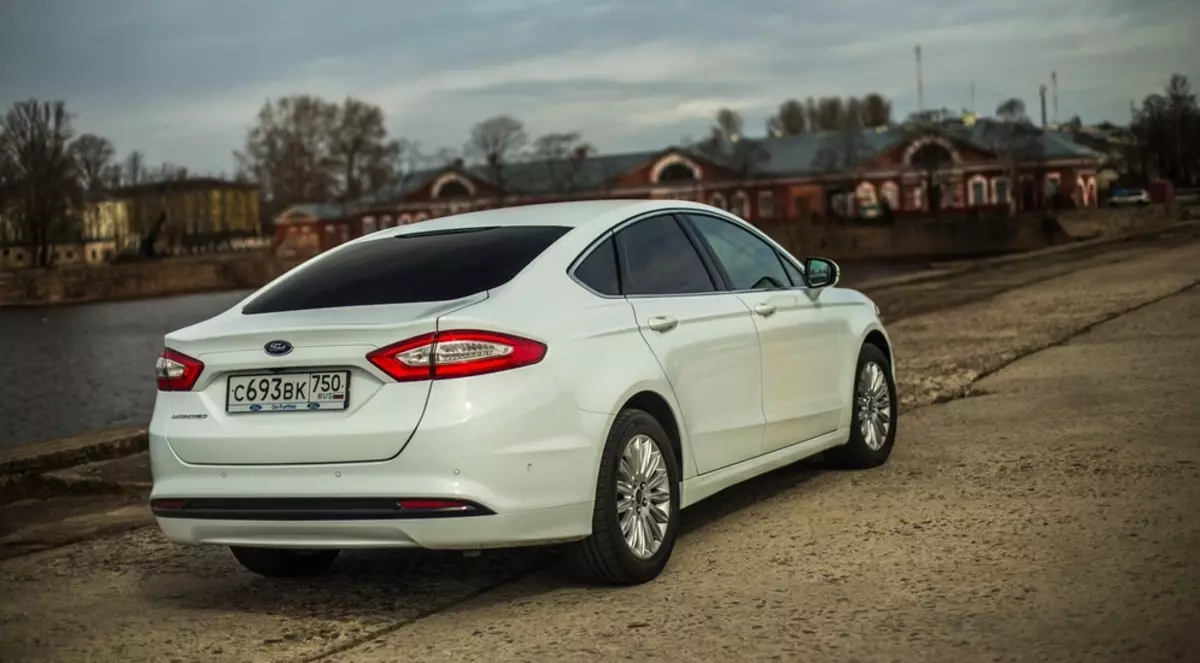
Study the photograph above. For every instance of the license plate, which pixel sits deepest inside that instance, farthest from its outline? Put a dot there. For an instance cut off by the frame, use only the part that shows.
(288, 392)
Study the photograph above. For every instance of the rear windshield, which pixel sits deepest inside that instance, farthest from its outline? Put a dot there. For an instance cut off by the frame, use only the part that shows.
(416, 267)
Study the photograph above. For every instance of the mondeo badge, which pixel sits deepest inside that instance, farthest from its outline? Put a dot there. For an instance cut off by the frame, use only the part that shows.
(277, 348)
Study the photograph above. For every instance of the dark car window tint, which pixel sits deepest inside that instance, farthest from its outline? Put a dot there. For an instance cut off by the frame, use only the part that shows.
(598, 270)
(750, 262)
(657, 258)
(793, 272)
(421, 267)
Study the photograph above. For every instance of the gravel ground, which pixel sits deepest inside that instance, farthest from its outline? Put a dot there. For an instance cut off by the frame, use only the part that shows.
(1052, 516)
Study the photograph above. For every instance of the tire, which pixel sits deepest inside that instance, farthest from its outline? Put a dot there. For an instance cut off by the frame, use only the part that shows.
(863, 451)
(279, 563)
(606, 557)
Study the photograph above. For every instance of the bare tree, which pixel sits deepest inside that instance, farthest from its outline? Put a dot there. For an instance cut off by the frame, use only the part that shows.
(415, 158)
(288, 150)
(166, 172)
(1012, 110)
(743, 157)
(789, 120)
(111, 176)
(497, 141)
(134, 168)
(9, 183)
(1019, 143)
(42, 190)
(827, 114)
(876, 111)
(361, 150)
(841, 155)
(1167, 129)
(730, 124)
(564, 155)
(93, 154)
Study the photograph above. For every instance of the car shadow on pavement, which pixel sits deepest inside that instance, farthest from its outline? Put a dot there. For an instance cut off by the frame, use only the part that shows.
(763, 487)
(375, 588)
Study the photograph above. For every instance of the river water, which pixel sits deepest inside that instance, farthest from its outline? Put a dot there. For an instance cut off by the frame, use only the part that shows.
(66, 370)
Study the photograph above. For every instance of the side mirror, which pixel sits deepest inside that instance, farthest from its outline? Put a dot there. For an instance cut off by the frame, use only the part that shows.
(820, 273)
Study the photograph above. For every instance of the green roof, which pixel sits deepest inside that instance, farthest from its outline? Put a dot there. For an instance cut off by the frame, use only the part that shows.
(790, 156)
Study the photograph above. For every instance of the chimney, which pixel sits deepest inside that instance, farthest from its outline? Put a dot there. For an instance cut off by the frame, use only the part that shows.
(1042, 93)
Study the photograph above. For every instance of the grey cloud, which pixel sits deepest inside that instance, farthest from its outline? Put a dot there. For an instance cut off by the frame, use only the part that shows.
(181, 80)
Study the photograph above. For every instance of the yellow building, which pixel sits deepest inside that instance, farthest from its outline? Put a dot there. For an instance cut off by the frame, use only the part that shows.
(101, 222)
(199, 215)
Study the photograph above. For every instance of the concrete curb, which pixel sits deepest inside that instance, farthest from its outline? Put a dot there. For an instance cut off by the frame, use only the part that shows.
(1021, 257)
(71, 451)
(17, 487)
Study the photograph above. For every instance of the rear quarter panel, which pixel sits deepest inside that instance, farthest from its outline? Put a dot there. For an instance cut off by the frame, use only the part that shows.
(595, 351)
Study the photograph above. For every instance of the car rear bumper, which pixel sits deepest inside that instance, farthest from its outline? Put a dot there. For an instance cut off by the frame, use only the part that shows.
(500, 530)
(529, 463)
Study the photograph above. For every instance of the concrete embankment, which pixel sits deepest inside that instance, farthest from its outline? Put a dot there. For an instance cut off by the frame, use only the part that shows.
(157, 278)
(948, 237)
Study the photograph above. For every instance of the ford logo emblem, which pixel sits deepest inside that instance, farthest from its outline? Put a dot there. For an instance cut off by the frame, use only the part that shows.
(277, 348)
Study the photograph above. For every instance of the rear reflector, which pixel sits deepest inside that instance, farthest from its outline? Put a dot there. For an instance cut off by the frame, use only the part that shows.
(434, 505)
(176, 371)
(455, 354)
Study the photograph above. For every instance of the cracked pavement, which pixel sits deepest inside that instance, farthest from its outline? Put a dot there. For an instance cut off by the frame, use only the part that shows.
(1050, 515)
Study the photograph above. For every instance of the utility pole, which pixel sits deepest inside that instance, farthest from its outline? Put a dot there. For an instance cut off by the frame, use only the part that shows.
(1054, 87)
(972, 96)
(920, 83)
(1042, 94)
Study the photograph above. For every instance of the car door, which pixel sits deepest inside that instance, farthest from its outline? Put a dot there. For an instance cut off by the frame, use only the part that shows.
(802, 343)
(704, 339)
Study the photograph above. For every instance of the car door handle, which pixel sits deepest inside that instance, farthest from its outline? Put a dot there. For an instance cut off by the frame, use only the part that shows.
(662, 323)
(765, 310)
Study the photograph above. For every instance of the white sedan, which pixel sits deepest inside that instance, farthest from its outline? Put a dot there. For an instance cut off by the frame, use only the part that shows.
(573, 373)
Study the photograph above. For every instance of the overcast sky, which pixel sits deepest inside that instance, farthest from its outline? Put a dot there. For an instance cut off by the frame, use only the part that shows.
(182, 79)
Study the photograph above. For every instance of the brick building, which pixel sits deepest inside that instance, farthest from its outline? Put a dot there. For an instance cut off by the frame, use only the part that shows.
(886, 172)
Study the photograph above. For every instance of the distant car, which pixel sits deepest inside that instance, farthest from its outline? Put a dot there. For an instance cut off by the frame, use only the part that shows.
(1127, 197)
(572, 373)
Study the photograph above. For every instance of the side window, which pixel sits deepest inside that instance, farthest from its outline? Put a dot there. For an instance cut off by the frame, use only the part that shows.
(598, 270)
(657, 258)
(751, 263)
(792, 271)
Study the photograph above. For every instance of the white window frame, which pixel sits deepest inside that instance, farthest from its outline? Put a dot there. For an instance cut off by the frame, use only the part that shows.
(739, 205)
(890, 191)
(996, 182)
(972, 199)
(766, 204)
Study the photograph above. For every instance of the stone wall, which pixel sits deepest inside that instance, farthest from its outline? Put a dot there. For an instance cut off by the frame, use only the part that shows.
(954, 238)
(905, 239)
(172, 276)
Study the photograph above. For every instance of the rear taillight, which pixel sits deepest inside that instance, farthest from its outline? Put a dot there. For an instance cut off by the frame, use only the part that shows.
(455, 354)
(177, 371)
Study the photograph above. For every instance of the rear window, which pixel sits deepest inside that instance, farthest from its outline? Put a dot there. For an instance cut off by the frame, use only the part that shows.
(598, 271)
(419, 267)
